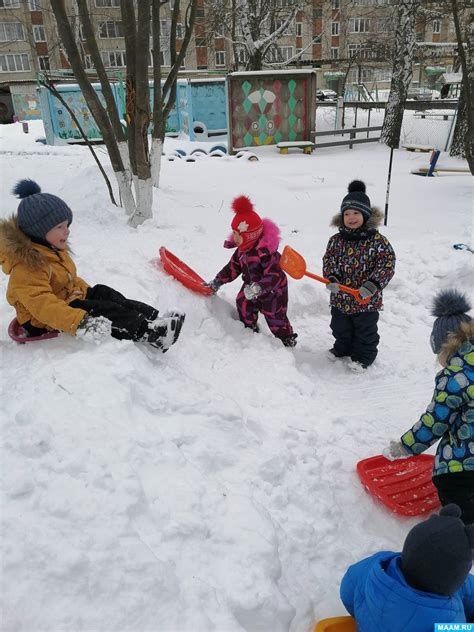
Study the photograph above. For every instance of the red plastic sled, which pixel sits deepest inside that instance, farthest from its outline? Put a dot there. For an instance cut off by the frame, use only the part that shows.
(182, 273)
(404, 486)
(18, 334)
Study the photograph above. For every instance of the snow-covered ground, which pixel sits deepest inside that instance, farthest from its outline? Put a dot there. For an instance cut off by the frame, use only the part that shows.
(212, 488)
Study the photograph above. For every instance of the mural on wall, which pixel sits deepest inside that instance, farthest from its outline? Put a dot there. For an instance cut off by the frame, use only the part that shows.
(26, 104)
(267, 108)
(66, 127)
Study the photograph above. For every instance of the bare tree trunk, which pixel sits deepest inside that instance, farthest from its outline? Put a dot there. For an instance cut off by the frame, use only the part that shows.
(165, 99)
(405, 43)
(464, 130)
(159, 122)
(97, 110)
(144, 193)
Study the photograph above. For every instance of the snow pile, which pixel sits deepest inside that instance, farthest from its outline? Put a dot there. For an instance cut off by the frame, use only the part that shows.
(213, 487)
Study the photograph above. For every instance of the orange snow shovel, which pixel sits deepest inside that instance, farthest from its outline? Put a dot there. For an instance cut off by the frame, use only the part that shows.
(293, 263)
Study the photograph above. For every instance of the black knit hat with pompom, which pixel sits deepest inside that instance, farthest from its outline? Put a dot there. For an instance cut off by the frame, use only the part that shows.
(357, 199)
(450, 308)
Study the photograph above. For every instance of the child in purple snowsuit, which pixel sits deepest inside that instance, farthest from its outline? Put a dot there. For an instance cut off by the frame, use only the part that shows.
(256, 258)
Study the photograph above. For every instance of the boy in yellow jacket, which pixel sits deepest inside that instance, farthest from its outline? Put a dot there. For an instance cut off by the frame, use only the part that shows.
(44, 287)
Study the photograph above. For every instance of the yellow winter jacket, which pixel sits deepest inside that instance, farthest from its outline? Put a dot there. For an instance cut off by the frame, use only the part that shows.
(42, 281)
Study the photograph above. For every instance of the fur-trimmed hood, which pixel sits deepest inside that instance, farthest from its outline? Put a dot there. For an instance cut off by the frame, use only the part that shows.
(269, 239)
(16, 247)
(372, 223)
(464, 333)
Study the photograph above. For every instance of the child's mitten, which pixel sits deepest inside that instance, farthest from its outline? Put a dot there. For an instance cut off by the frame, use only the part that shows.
(367, 289)
(214, 285)
(396, 450)
(94, 328)
(252, 291)
(333, 287)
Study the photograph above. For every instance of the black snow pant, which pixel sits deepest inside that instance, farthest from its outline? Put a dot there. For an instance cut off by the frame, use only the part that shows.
(355, 335)
(129, 318)
(457, 487)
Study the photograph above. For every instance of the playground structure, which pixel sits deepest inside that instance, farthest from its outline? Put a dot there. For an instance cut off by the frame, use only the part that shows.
(269, 107)
(200, 110)
(433, 169)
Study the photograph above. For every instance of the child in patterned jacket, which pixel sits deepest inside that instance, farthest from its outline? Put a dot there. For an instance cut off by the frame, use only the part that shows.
(449, 417)
(360, 257)
(256, 258)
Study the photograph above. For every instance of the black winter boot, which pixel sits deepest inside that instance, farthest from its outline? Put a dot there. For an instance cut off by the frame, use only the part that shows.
(290, 341)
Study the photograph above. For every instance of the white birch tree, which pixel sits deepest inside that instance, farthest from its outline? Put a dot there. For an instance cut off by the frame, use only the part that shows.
(403, 56)
(126, 139)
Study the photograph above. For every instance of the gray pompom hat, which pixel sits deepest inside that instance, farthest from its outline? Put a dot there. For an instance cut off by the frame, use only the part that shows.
(39, 212)
(450, 308)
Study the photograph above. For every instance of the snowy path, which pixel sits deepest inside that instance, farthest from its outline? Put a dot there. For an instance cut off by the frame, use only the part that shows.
(212, 488)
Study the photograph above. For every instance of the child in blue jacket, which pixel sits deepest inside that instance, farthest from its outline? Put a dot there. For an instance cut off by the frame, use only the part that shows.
(427, 583)
(449, 417)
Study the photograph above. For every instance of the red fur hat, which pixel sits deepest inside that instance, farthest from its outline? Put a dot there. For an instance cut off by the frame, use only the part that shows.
(246, 222)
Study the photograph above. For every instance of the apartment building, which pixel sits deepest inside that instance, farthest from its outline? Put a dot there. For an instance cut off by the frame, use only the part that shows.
(346, 40)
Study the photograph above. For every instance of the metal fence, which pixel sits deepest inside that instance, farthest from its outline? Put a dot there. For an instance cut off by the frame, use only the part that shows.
(425, 123)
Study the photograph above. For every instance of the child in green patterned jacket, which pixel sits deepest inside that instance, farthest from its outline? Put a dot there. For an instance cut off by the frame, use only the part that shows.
(449, 417)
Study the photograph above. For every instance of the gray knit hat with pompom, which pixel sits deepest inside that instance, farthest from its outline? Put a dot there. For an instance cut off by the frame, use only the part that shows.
(449, 307)
(39, 212)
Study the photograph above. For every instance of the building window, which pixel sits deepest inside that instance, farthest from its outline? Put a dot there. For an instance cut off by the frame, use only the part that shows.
(107, 4)
(436, 26)
(383, 74)
(44, 63)
(14, 63)
(335, 4)
(114, 58)
(9, 4)
(110, 29)
(179, 31)
(317, 13)
(242, 56)
(299, 29)
(362, 51)
(356, 76)
(220, 58)
(165, 27)
(199, 12)
(34, 5)
(39, 34)
(359, 25)
(220, 31)
(334, 28)
(280, 54)
(88, 62)
(11, 32)
(334, 52)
